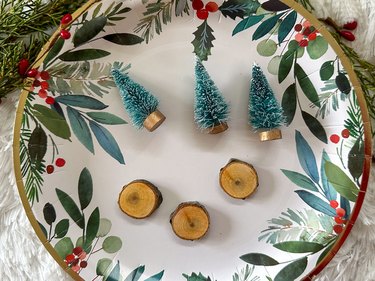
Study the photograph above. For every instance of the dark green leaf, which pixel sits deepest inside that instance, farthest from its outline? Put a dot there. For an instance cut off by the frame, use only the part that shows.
(299, 247)
(83, 55)
(343, 83)
(341, 182)
(345, 204)
(92, 227)
(289, 103)
(286, 26)
(97, 10)
(286, 64)
(71, 208)
(115, 274)
(52, 121)
(266, 26)
(64, 247)
(306, 157)
(292, 271)
(81, 101)
(123, 38)
(329, 192)
(106, 118)
(37, 145)
(300, 180)
(61, 228)
(80, 128)
(49, 213)
(247, 23)
(156, 277)
(202, 42)
(356, 159)
(107, 141)
(316, 203)
(89, 30)
(196, 277)
(239, 8)
(44, 230)
(306, 85)
(135, 274)
(124, 10)
(326, 70)
(53, 52)
(274, 6)
(317, 48)
(314, 126)
(259, 259)
(85, 188)
(326, 251)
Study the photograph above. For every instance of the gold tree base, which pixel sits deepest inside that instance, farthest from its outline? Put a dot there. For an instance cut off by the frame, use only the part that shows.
(218, 129)
(154, 120)
(273, 134)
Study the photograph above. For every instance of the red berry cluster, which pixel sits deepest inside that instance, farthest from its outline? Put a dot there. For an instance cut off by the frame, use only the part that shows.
(335, 138)
(305, 33)
(204, 10)
(339, 218)
(65, 20)
(345, 33)
(76, 259)
(44, 76)
(60, 162)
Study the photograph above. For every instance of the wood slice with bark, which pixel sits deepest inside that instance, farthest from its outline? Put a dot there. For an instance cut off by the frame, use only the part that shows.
(238, 179)
(190, 221)
(139, 199)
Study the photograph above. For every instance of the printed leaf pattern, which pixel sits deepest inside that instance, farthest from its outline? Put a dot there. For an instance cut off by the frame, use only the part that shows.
(238, 8)
(203, 41)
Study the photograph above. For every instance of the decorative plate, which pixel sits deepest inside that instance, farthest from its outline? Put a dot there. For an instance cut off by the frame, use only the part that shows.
(75, 147)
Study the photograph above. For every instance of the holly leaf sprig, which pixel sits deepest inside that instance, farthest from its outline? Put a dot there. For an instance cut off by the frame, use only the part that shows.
(203, 41)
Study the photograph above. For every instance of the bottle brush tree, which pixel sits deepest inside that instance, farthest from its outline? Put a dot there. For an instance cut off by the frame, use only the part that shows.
(210, 109)
(140, 104)
(265, 113)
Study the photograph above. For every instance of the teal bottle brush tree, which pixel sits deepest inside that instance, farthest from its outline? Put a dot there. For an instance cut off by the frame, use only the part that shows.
(140, 104)
(265, 113)
(210, 109)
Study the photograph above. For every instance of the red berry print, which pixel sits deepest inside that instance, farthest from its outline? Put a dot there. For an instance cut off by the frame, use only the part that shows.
(304, 43)
(60, 162)
(212, 7)
(298, 27)
(44, 75)
(299, 37)
(306, 24)
(69, 258)
(23, 65)
(83, 264)
(347, 35)
(50, 100)
(66, 19)
(339, 220)
(65, 34)
(50, 169)
(337, 228)
(75, 268)
(44, 85)
(306, 32)
(340, 212)
(334, 204)
(202, 14)
(351, 25)
(197, 5)
(312, 36)
(82, 255)
(32, 72)
(345, 133)
(334, 138)
(42, 94)
(36, 83)
(77, 250)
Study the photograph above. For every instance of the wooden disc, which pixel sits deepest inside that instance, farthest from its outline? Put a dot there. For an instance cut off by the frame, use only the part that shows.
(238, 179)
(273, 134)
(190, 221)
(139, 199)
(154, 120)
(218, 128)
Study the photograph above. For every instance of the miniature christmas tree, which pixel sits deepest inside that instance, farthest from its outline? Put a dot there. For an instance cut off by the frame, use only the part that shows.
(140, 104)
(211, 111)
(265, 113)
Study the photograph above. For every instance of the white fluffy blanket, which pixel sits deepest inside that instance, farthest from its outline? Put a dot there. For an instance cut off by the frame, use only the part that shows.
(23, 257)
